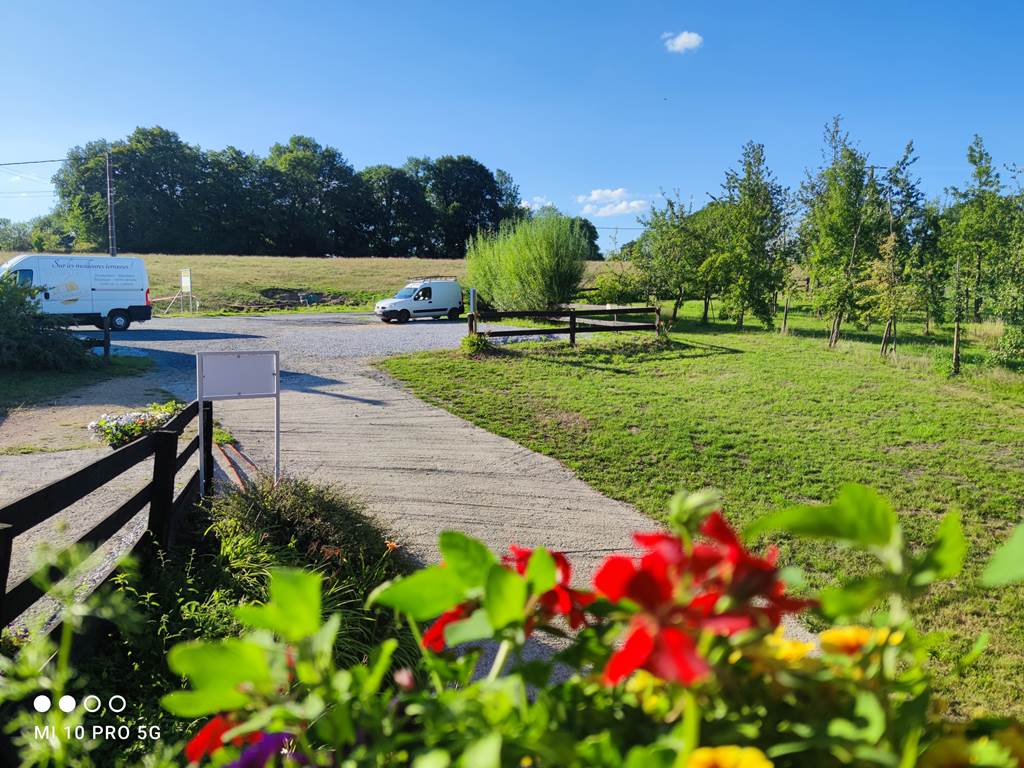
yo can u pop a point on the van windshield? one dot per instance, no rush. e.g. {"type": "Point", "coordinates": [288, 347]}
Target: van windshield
{"type": "Point", "coordinates": [406, 293]}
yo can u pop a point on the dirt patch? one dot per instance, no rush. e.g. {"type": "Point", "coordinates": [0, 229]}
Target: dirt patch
{"type": "Point", "coordinates": [565, 420]}
{"type": "Point", "coordinates": [62, 424]}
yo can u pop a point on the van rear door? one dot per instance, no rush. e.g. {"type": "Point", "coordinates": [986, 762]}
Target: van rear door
{"type": "Point", "coordinates": [116, 284]}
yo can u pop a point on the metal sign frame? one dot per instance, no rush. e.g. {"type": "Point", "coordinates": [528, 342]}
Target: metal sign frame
{"type": "Point", "coordinates": [201, 395]}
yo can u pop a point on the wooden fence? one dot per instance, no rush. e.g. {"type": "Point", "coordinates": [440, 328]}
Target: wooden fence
{"type": "Point", "coordinates": [165, 509]}
{"type": "Point", "coordinates": [579, 320]}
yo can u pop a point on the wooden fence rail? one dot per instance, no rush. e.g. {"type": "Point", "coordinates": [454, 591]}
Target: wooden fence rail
{"type": "Point", "coordinates": [165, 509]}
{"type": "Point", "coordinates": [580, 320]}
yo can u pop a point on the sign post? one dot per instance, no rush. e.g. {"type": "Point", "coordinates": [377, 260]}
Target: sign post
{"type": "Point", "coordinates": [186, 288]}
{"type": "Point", "coordinates": [239, 376]}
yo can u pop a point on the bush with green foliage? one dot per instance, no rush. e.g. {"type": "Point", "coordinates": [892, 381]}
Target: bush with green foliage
{"type": "Point", "coordinates": [616, 287]}
{"type": "Point", "coordinates": [30, 341]}
{"type": "Point", "coordinates": [676, 658]}
{"type": "Point", "coordinates": [1009, 348]}
{"type": "Point", "coordinates": [533, 264]}
{"type": "Point", "coordinates": [475, 344]}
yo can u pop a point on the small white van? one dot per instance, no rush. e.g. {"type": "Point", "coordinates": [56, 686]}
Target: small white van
{"type": "Point", "coordinates": [88, 288]}
{"type": "Point", "coordinates": [423, 297]}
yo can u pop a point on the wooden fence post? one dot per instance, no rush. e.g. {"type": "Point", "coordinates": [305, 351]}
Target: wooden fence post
{"type": "Point", "coordinates": [5, 562]}
{"type": "Point", "coordinates": [572, 327]}
{"type": "Point", "coordinates": [161, 500]}
{"type": "Point", "coordinates": [106, 340]}
{"type": "Point", "coordinates": [206, 446]}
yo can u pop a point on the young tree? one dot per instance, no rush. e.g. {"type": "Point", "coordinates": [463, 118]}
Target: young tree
{"type": "Point", "coordinates": [840, 228]}
{"type": "Point", "coordinates": [978, 225]}
{"type": "Point", "coordinates": [710, 227]}
{"type": "Point", "coordinates": [666, 259]}
{"type": "Point", "coordinates": [758, 214]}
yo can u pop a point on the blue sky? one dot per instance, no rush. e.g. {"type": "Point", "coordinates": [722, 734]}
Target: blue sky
{"type": "Point", "coordinates": [585, 103]}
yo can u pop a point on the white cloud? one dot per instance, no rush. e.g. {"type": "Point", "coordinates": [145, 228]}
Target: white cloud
{"type": "Point", "coordinates": [682, 42]}
{"type": "Point", "coordinates": [603, 196]}
{"type": "Point", "coordinates": [615, 209]}
{"type": "Point", "coordinates": [535, 203]}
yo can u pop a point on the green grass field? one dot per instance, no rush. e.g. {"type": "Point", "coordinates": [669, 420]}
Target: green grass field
{"type": "Point", "coordinates": [772, 420]}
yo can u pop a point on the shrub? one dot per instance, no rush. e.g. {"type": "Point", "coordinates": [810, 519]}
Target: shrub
{"type": "Point", "coordinates": [29, 341]}
{"type": "Point", "coordinates": [532, 264]}
{"type": "Point", "coordinates": [1009, 348]}
{"type": "Point", "coordinates": [475, 344]}
{"type": "Point", "coordinates": [612, 287]}
{"type": "Point", "coordinates": [117, 430]}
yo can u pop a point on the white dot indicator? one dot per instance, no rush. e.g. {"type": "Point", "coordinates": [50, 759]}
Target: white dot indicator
{"type": "Point", "coordinates": [41, 703]}
{"type": "Point", "coordinates": [66, 703]}
{"type": "Point", "coordinates": [91, 703]}
{"type": "Point", "coordinates": [114, 708]}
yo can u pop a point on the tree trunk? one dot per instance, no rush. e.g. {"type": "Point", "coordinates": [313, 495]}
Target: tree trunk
{"type": "Point", "coordinates": [833, 337]}
{"type": "Point", "coordinates": [927, 319]}
{"type": "Point", "coordinates": [739, 317]}
{"type": "Point", "coordinates": [885, 338]}
{"type": "Point", "coordinates": [977, 291]}
{"type": "Point", "coordinates": [785, 318]}
{"type": "Point", "coordinates": [894, 337]}
{"type": "Point", "coordinates": [675, 309]}
{"type": "Point", "coordinates": [956, 348]}
{"type": "Point", "coordinates": [707, 305]}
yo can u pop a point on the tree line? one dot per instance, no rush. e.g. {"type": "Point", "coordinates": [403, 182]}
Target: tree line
{"type": "Point", "coordinates": [861, 239]}
{"type": "Point", "coordinates": [301, 199]}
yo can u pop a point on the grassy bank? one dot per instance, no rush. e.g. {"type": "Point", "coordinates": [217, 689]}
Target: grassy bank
{"type": "Point", "coordinates": [27, 387]}
{"type": "Point", "coordinates": [771, 420]}
{"type": "Point", "coordinates": [224, 560]}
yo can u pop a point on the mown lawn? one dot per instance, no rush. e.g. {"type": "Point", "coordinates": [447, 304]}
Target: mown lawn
{"type": "Point", "coordinates": [26, 387]}
{"type": "Point", "coordinates": [771, 420]}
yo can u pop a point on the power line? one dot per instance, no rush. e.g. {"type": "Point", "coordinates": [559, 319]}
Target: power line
{"type": "Point", "coordinates": [35, 162]}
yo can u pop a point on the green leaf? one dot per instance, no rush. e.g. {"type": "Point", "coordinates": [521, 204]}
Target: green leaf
{"type": "Point", "coordinates": [380, 662]}
{"type": "Point", "coordinates": [505, 598]}
{"type": "Point", "coordinates": [869, 725]}
{"type": "Point", "coordinates": [483, 753]}
{"type": "Point", "coordinates": [468, 558]}
{"type": "Point", "coordinates": [206, 702]}
{"type": "Point", "coordinates": [858, 515]}
{"type": "Point", "coordinates": [1007, 564]}
{"type": "Point", "coordinates": [852, 598]}
{"type": "Point", "coordinates": [978, 648]}
{"type": "Point", "coordinates": [476, 627]}
{"type": "Point", "coordinates": [218, 672]}
{"type": "Point", "coordinates": [293, 611]}
{"type": "Point", "coordinates": [435, 758]}
{"type": "Point", "coordinates": [945, 558]}
{"type": "Point", "coordinates": [541, 571]}
{"type": "Point", "coordinates": [424, 594]}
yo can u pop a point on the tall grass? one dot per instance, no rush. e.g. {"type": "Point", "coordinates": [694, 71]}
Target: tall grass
{"type": "Point", "coordinates": [534, 264]}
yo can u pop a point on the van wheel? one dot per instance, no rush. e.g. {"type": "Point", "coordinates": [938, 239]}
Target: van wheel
{"type": "Point", "coordinates": [119, 320]}
{"type": "Point", "coordinates": [453, 313]}
{"type": "Point", "coordinates": [403, 316]}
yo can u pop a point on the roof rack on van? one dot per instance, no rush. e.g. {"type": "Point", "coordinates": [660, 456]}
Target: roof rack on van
{"type": "Point", "coordinates": [435, 277]}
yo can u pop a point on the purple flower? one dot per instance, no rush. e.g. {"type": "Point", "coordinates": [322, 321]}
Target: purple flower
{"type": "Point", "coordinates": [263, 751]}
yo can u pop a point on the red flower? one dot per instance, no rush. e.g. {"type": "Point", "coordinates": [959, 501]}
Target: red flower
{"type": "Point", "coordinates": [665, 652]}
{"type": "Point", "coordinates": [210, 738]}
{"type": "Point", "coordinates": [560, 600]}
{"type": "Point", "coordinates": [719, 587]}
{"type": "Point", "coordinates": [433, 638]}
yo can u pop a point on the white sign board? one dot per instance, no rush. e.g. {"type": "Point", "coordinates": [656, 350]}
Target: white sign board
{"type": "Point", "coordinates": [186, 281]}
{"type": "Point", "coordinates": [240, 375]}
{"type": "Point", "coordinates": [228, 375]}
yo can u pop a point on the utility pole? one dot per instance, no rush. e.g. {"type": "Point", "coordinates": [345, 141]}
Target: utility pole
{"type": "Point", "coordinates": [111, 233]}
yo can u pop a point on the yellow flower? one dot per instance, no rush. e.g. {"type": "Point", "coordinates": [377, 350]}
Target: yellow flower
{"type": "Point", "coordinates": [728, 757]}
{"type": "Point", "coordinates": [949, 752]}
{"type": "Point", "coordinates": [782, 648]}
{"type": "Point", "coordinates": [852, 640]}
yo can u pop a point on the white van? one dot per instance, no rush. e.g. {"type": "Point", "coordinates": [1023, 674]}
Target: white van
{"type": "Point", "coordinates": [88, 288]}
{"type": "Point", "coordinates": [423, 297]}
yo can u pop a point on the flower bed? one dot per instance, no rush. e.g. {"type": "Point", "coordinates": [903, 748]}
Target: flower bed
{"type": "Point", "coordinates": [117, 430]}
